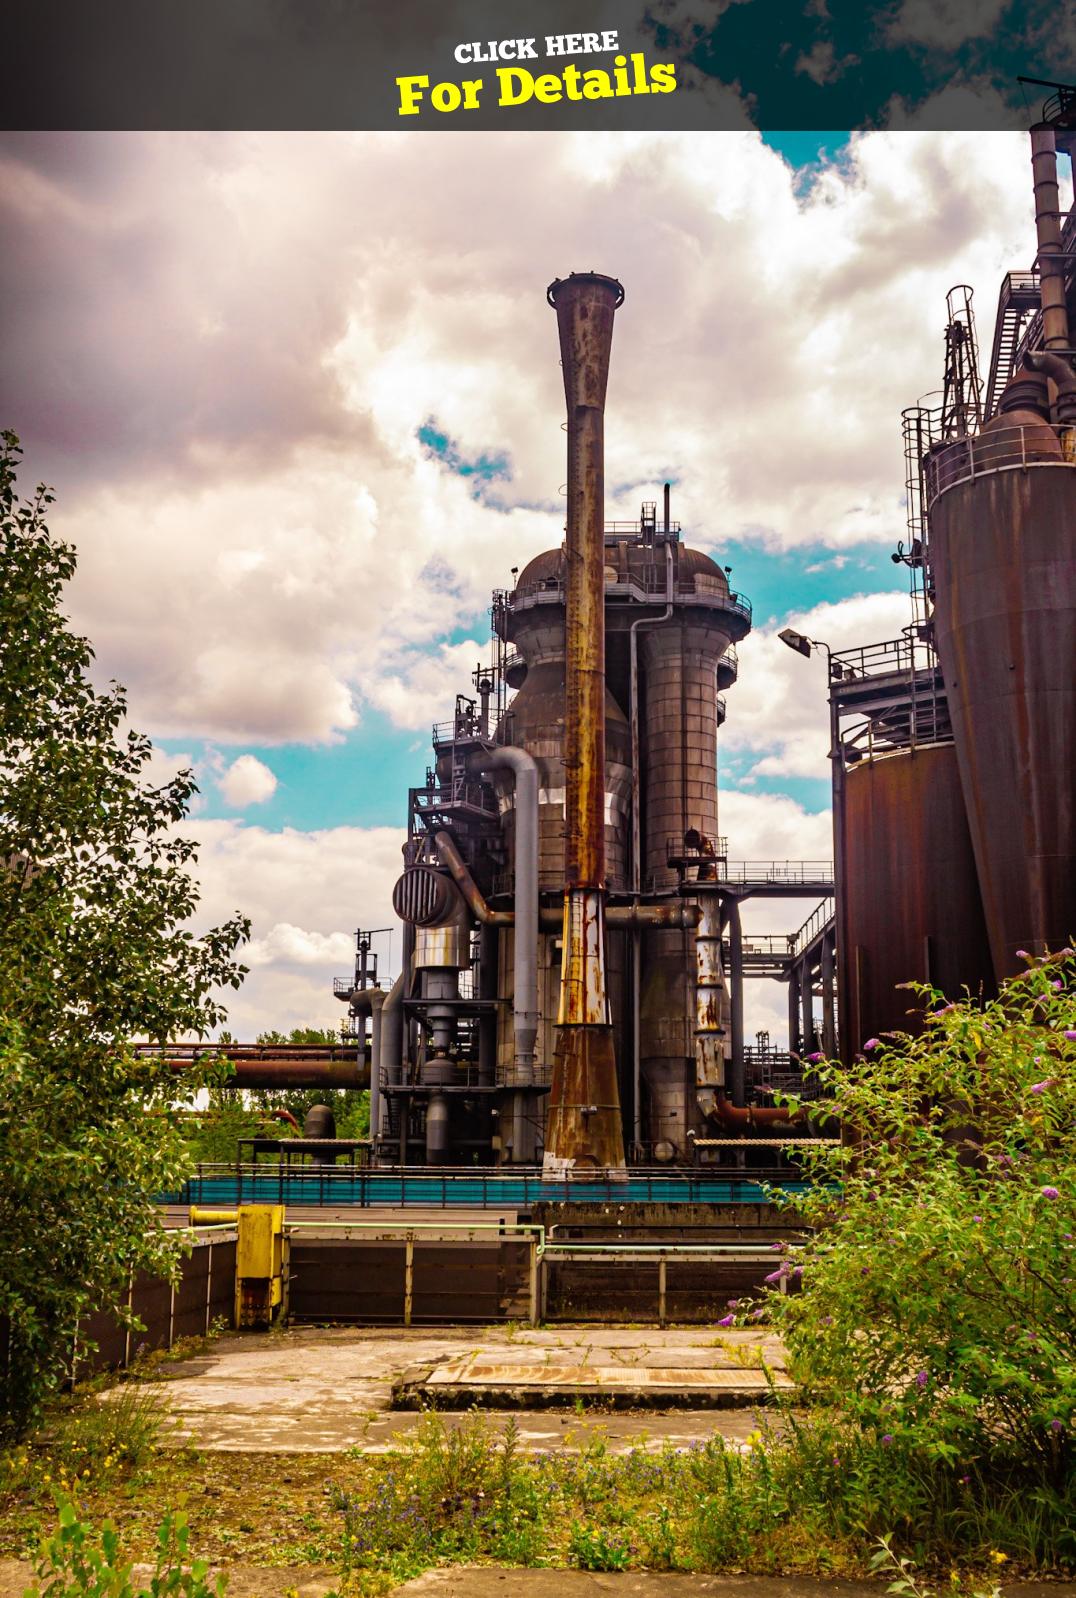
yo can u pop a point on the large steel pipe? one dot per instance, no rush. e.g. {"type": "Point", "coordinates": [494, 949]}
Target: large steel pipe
{"type": "Point", "coordinates": [584, 1126]}
{"type": "Point", "coordinates": [1052, 260]}
{"type": "Point", "coordinates": [525, 954]}
{"type": "Point", "coordinates": [271, 1072]}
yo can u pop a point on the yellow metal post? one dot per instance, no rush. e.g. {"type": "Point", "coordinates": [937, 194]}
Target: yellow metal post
{"type": "Point", "coordinates": [261, 1259]}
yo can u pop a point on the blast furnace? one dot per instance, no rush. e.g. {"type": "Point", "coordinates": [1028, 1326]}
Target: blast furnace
{"type": "Point", "coordinates": [563, 995]}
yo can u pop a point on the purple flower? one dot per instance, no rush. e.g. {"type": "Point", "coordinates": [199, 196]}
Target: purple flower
{"type": "Point", "coordinates": [1070, 1033]}
{"type": "Point", "coordinates": [977, 1219]}
{"type": "Point", "coordinates": [827, 1320]}
{"type": "Point", "coordinates": [814, 1058]}
{"type": "Point", "coordinates": [1022, 954]}
{"type": "Point", "coordinates": [873, 1043]}
{"type": "Point", "coordinates": [1050, 1193]}
{"type": "Point", "coordinates": [921, 1379]}
{"type": "Point", "coordinates": [887, 1438]}
{"type": "Point", "coordinates": [1040, 1087]}
{"type": "Point", "coordinates": [1057, 1426]}
{"type": "Point", "coordinates": [733, 1303]}
{"type": "Point", "coordinates": [775, 1276]}
{"type": "Point", "coordinates": [1057, 986]}
{"type": "Point", "coordinates": [757, 1314]}
{"type": "Point", "coordinates": [797, 1272]}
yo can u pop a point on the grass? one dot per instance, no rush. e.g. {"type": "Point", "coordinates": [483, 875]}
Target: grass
{"type": "Point", "coordinates": [812, 1500]}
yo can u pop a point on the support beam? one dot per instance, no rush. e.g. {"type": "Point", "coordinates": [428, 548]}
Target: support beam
{"type": "Point", "coordinates": [794, 1010]}
{"type": "Point", "coordinates": [806, 1006]}
{"type": "Point", "coordinates": [737, 1074]}
{"type": "Point", "coordinates": [829, 964]}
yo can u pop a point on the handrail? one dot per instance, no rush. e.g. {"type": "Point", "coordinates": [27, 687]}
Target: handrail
{"type": "Point", "coordinates": [1000, 449]}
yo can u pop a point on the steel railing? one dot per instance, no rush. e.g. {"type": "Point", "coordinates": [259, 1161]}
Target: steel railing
{"type": "Point", "coordinates": [1002, 449]}
{"type": "Point", "coordinates": [475, 1187]}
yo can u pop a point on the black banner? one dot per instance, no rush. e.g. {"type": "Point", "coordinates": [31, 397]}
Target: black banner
{"type": "Point", "coordinates": [588, 64]}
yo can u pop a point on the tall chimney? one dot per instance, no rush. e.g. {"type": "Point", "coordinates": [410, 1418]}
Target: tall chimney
{"type": "Point", "coordinates": [584, 1129]}
{"type": "Point", "coordinates": [1055, 325]}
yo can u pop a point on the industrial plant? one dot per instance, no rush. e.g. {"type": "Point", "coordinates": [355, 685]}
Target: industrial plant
{"type": "Point", "coordinates": [574, 962]}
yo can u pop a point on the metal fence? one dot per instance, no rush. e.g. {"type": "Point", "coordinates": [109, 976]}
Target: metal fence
{"type": "Point", "coordinates": [203, 1294]}
{"type": "Point", "coordinates": [326, 1185]}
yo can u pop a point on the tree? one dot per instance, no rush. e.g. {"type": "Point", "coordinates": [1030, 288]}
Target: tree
{"type": "Point", "coordinates": [95, 950]}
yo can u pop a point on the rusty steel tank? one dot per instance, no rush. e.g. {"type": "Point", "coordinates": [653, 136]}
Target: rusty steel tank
{"type": "Point", "coordinates": [685, 659]}
{"type": "Point", "coordinates": [904, 841]}
{"type": "Point", "coordinates": [534, 625]}
{"type": "Point", "coordinates": [1003, 551]}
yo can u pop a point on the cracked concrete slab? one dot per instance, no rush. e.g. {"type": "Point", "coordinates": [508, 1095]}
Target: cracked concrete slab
{"type": "Point", "coordinates": [325, 1390]}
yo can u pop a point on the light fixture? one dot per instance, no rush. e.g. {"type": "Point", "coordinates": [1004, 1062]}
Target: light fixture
{"type": "Point", "coordinates": [796, 641]}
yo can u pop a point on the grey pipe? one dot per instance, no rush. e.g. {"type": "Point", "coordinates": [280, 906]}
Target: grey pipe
{"type": "Point", "coordinates": [390, 1051]}
{"type": "Point", "coordinates": [500, 757]}
{"type": "Point", "coordinates": [375, 1066]}
{"type": "Point", "coordinates": [636, 835]}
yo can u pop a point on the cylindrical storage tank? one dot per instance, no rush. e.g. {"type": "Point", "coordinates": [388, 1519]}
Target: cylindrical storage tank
{"type": "Point", "coordinates": [1003, 550]}
{"type": "Point", "coordinates": [909, 908]}
{"type": "Point", "coordinates": [535, 722]}
{"type": "Point", "coordinates": [679, 661]}
{"type": "Point", "coordinates": [679, 666]}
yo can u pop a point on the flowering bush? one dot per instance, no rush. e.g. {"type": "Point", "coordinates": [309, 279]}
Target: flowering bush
{"type": "Point", "coordinates": [937, 1311]}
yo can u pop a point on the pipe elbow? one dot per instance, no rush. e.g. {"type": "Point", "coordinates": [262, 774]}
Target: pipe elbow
{"type": "Point", "coordinates": [1054, 366]}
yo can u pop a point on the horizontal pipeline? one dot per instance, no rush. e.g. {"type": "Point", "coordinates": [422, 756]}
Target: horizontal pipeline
{"type": "Point", "coordinates": [672, 913]}
{"type": "Point", "coordinates": [290, 1073]}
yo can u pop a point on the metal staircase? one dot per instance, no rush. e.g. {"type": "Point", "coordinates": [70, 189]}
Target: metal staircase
{"type": "Point", "coordinates": [1014, 331]}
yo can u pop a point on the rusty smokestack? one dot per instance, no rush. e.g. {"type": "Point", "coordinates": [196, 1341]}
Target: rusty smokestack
{"type": "Point", "coordinates": [1055, 322]}
{"type": "Point", "coordinates": [584, 1129]}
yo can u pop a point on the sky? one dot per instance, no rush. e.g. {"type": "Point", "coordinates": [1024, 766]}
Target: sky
{"type": "Point", "coordinates": [300, 400]}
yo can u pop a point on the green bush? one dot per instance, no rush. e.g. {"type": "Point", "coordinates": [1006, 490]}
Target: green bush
{"type": "Point", "coordinates": [74, 1563]}
{"type": "Point", "coordinates": [936, 1314]}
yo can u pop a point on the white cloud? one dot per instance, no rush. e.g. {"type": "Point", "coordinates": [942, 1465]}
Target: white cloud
{"type": "Point", "coordinates": [778, 706]}
{"type": "Point", "coordinates": [247, 781]}
{"type": "Point", "coordinates": [305, 893]}
{"type": "Point", "coordinates": [266, 546]}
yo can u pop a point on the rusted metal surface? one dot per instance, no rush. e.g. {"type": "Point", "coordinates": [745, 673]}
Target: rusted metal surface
{"type": "Point", "coordinates": [203, 1295]}
{"type": "Point", "coordinates": [904, 844]}
{"type": "Point", "coordinates": [1006, 628]}
{"type": "Point", "coordinates": [281, 1066]}
{"type": "Point", "coordinates": [370, 1282]}
{"type": "Point", "coordinates": [585, 304]}
{"type": "Point", "coordinates": [583, 1131]}
{"type": "Point", "coordinates": [710, 1029]}
{"type": "Point", "coordinates": [583, 1128]}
